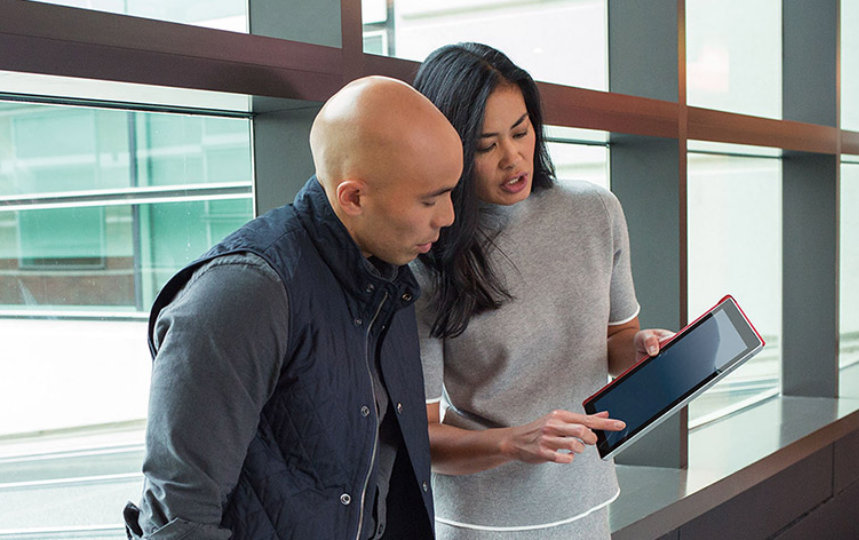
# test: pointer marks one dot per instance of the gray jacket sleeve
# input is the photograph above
(220, 344)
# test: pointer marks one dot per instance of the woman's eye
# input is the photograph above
(520, 134)
(484, 149)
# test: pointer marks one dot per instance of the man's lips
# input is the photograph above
(425, 247)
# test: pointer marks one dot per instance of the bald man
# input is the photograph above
(287, 397)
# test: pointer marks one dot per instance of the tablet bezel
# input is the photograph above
(750, 337)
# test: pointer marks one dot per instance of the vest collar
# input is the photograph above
(361, 279)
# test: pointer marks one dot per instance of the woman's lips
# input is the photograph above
(516, 183)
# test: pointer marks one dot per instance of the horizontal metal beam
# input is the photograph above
(57, 40)
(591, 109)
(127, 196)
(398, 68)
(720, 126)
(849, 142)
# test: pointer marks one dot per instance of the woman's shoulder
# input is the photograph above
(576, 194)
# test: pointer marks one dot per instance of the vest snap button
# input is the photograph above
(345, 499)
(425, 486)
(365, 410)
(406, 297)
(399, 407)
(359, 322)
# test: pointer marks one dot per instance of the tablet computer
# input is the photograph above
(691, 361)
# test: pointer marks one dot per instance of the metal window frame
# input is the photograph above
(288, 79)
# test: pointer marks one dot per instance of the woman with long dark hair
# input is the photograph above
(529, 304)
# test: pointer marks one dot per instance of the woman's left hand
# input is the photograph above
(648, 342)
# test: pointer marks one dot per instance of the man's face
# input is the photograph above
(403, 217)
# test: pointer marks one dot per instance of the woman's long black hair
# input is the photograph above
(458, 79)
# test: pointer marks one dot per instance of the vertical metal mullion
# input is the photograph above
(134, 181)
(810, 203)
(351, 27)
(649, 173)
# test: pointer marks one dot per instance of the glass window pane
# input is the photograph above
(91, 258)
(222, 14)
(733, 56)
(579, 154)
(417, 28)
(179, 232)
(850, 65)
(98, 208)
(55, 149)
(47, 241)
(849, 281)
(108, 361)
(181, 149)
(734, 247)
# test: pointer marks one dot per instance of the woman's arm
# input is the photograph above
(555, 437)
(627, 343)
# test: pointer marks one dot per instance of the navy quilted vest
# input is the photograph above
(308, 471)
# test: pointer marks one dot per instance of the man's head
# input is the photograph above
(388, 160)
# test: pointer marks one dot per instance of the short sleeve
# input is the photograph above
(624, 305)
(432, 349)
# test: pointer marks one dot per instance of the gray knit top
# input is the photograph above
(563, 253)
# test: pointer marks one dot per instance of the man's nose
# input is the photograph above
(445, 216)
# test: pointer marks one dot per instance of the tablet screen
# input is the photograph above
(713, 344)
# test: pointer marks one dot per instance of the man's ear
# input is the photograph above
(350, 196)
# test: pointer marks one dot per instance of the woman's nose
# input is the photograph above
(509, 154)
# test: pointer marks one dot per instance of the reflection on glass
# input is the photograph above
(733, 56)
(222, 14)
(93, 258)
(734, 247)
(849, 284)
(55, 149)
(850, 65)
(535, 35)
(99, 207)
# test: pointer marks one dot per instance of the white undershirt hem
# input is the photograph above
(453, 523)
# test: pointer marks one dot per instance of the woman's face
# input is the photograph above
(504, 157)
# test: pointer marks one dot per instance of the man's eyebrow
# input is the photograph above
(437, 192)
(515, 124)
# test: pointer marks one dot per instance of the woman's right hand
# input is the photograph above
(556, 437)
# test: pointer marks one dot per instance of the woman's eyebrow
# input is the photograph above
(516, 123)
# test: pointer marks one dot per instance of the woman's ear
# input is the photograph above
(350, 196)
